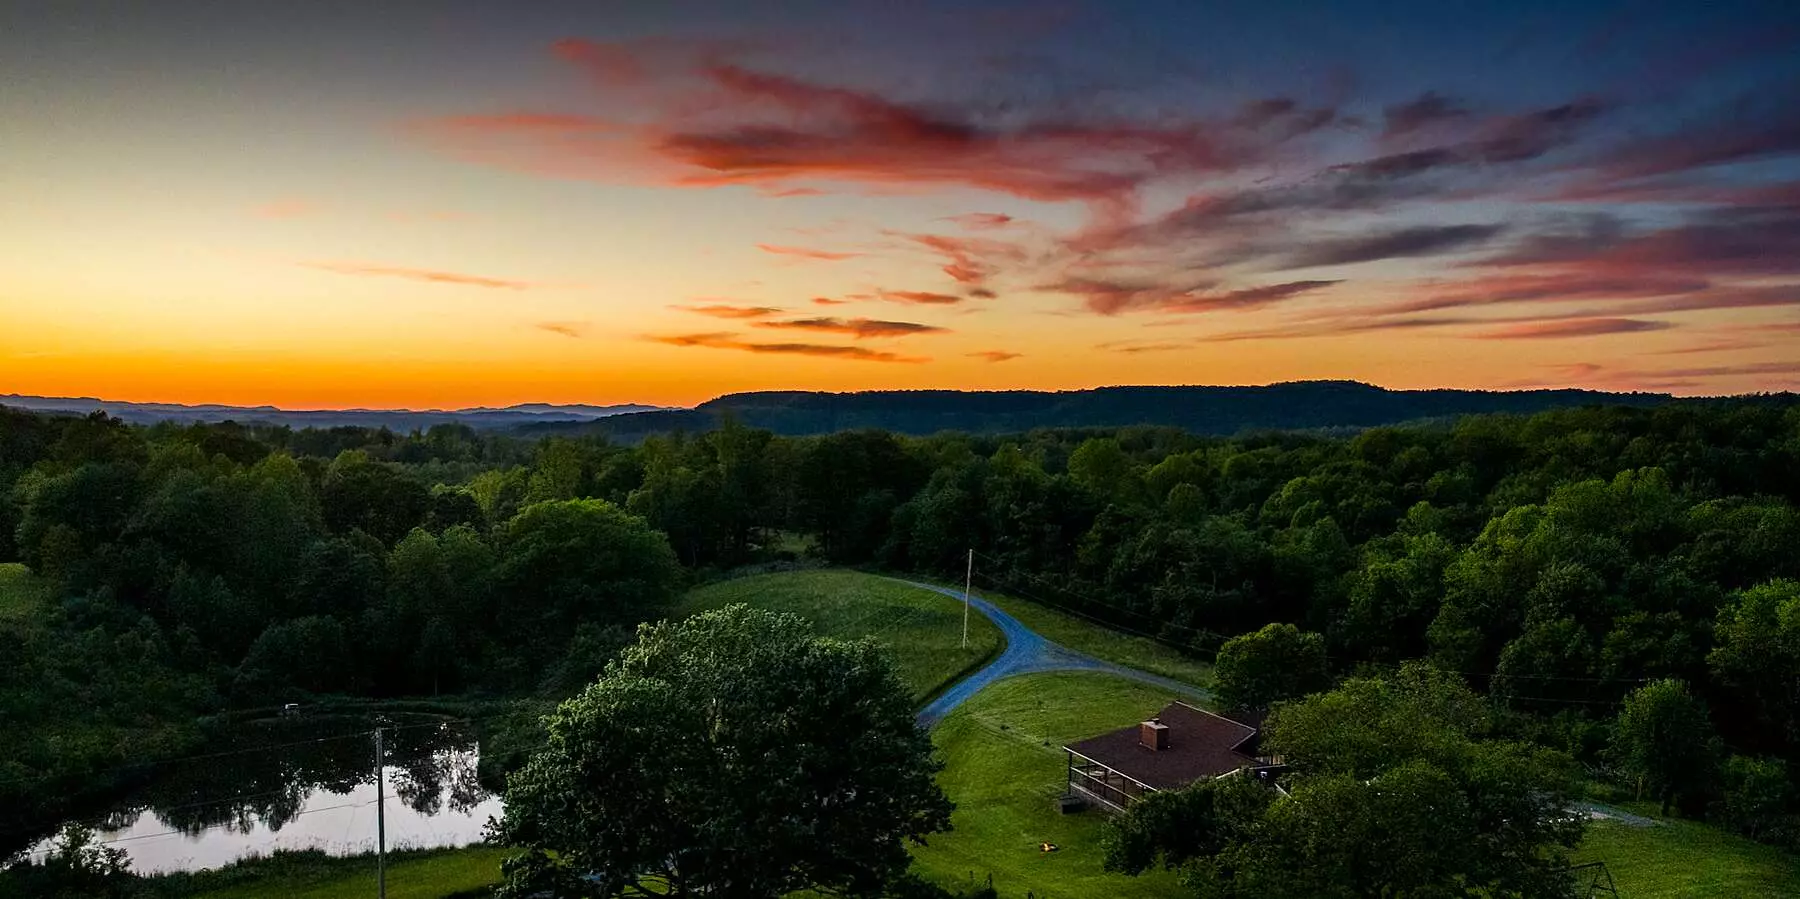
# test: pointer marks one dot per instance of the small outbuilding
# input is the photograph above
(1180, 745)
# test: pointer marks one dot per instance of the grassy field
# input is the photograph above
(1689, 860)
(922, 629)
(1003, 767)
(20, 592)
(422, 875)
(1098, 641)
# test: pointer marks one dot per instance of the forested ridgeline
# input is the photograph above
(1558, 561)
(1201, 409)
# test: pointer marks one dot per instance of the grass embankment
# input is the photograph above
(922, 629)
(1690, 860)
(21, 593)
(424, 874)
(1004, 766)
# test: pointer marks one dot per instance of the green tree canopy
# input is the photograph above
(1664, 738)
(1275, 663)
(1757, 655)
(563, 560)
(1394, 789)
(732, 754)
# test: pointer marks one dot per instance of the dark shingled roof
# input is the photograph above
(1201, 745)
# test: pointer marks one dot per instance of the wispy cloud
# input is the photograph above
(712, 117)
(1113, 296)
(1582, 327)
(720, 310)
(996, 355)
(982, 221)
(970, 260)
(856, 327)
(1243, 298)
(1425, 240)
(728, 341)
(1428, 110)
(919, 297)
(433, 276)
(566, 329)
(806, 252)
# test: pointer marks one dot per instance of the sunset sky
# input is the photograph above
(443, 204)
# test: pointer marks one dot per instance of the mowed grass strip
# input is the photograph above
(21, 593)
(922, 629)
(1690, 860)
(424, 875)
(1004, 767)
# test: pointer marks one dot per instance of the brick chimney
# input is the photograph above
(1154, 735)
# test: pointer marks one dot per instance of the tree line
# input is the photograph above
(1557, 562)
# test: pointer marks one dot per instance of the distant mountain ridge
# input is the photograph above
(1296, 405)
(394, 419)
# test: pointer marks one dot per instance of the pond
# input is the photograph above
(305, 782)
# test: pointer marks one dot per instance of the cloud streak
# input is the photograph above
(1583, 327)
(856, 327)
(732, 312)
(369, 269)
(919, 297)
(806, 252)
(726, 341)
(1425, 240)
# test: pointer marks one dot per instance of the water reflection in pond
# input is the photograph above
(306, 784)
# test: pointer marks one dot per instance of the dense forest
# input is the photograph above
(1560, 563)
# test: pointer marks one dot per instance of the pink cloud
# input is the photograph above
(703, 118)
(806, 252)
(982, 221)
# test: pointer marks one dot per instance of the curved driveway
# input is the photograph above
(1028, 653)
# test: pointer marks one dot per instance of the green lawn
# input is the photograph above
(1689, 860)
(425, 875)
(1004, 765)
(20, 592)
(1101, 642)
(922, 629)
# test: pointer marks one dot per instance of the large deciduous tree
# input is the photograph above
(563, 561)
(1664, 738)
(730, 754)
(1275, 663)
(1757, 655)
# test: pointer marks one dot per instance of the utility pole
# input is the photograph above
(380, 823)
(968, 578)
